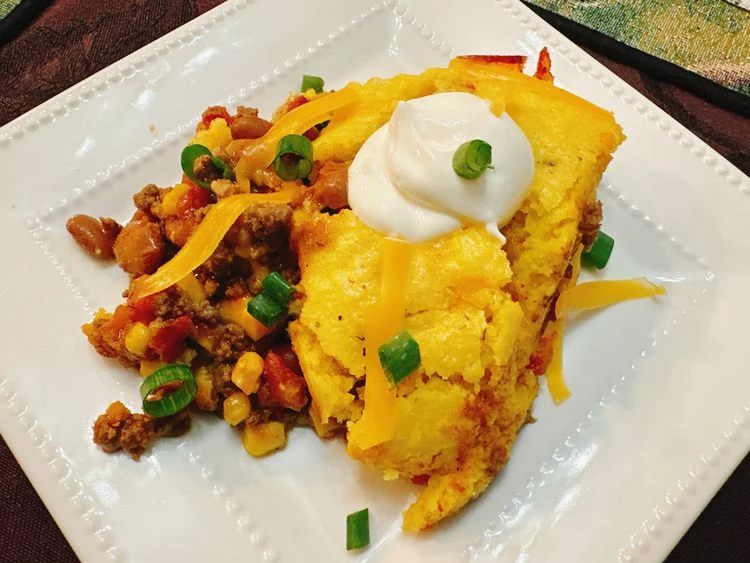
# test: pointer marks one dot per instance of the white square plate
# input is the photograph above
(659, 412)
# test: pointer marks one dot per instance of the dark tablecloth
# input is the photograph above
(72, 39)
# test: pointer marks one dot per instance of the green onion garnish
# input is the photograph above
(174, 401)
(471, 159)
(270, 305)
(358, 529)
(265, 309)
(399, 356)
(293, 157)
(277, 288)
(312, 82)
(598, 254)
(191, 153)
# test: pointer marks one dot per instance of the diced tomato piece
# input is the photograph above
(290, 358)
(542, 356)
(420, 480)
(188, 181)
(169, 339)
(281, 387)
(143, 310)
(312, 133)
(296, 102)
(544, 66)
(215, 112)
(537, 364)
(193, 199)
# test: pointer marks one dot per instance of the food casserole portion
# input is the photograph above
(478, 310)
(479, 304)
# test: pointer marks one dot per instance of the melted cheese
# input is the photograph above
(555, 380)
(587, 297)
(383, 320)
(603, 293)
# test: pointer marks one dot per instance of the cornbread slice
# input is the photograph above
(477, 309)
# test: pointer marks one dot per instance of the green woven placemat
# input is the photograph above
(710, 38)
(16, 14)
(6, 7)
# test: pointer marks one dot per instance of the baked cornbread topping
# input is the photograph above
(263, 289)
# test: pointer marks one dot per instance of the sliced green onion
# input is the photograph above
(294, 157)
(265, 309)
(277, 288)
(191, 153)
(312, 82)
(175, 401)
(598, 255)
(399, 356)
(472, 158)
(358, 529)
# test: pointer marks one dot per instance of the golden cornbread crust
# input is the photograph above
(477, 309)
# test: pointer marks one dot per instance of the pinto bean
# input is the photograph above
(95, 236)
(249, 126)
(330, 188)
(140, 247)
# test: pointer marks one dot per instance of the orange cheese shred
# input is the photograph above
(555, 380)
(384, 319)
(586, 297)
(204, 240)
(603, 293)
(558, 390)
(259, 153)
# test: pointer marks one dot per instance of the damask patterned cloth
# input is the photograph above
(710, 38)
(15, 14)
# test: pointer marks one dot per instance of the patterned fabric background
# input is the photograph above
(707, 37)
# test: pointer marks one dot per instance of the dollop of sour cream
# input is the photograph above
(402, 182)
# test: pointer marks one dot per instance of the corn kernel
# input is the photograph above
(235, 311)
(137, 338)
(205, 342)
(169, 203)
(262, 439)
(236, 408)
(148, 367)
(192, 288)
(205, 394)
(246, 372)
(187, 356)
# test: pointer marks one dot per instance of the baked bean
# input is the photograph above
(330, 188)
(249, 126)
(140, 247)
(95, 236)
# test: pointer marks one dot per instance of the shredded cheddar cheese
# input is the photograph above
(555, 380)
(383, 320)
(603, 293)
(586, 297)
(204, 240)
